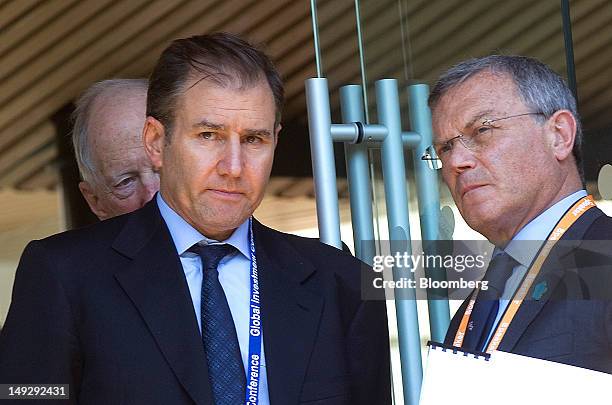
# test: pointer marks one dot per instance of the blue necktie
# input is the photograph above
(225, 368)
(487, 303)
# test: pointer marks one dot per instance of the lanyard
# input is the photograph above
(254, 359)
(571, 216)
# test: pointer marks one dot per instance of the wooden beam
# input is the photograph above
(29, 166)
(15, 154)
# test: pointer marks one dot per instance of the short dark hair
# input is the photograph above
(223, 58)
(538, 85)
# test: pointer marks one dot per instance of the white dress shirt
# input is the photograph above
(234, 276)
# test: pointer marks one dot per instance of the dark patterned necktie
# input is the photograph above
(225, 368)
(487, 303)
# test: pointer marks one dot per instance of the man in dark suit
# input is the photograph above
(508, 138)
(189, 299)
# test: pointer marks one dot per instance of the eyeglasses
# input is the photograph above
(475, 140)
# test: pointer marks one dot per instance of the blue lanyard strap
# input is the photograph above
(254, 359)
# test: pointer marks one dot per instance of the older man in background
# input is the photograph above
(117, 176)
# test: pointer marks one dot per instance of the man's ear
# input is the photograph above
(154, 138)
(563, 129)
(276, 133)
(89, 193)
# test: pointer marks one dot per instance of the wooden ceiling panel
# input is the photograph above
(58, 60)
(38, 16)
(56, 31)
(49, 90)
(184, 22)
(589, 11)
(66, 64)
(45, 178)
(53, 49)
(279, 28)
(15, 10)
(248, 22)
(20, 152)
(138, 56)
(37, 161)
(336, 19)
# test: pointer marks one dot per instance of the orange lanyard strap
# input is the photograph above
(571, 216)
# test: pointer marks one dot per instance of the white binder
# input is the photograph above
(453, 376)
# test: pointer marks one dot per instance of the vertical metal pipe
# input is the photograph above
(315, 38)
(429, 205)
(323, 162)
(569, 47)
(358, 177)
(364, 81)
(396, 193)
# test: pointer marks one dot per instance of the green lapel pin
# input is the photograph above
(539, 290)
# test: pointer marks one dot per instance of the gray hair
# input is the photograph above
(82, 115)
(540, 88)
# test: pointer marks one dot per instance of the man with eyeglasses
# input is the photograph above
(507, 140)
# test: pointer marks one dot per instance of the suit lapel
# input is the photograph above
(291, 313)
(555, 269)
(549, 276)
(156, 284)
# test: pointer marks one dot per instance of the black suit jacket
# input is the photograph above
(107, 310)
(571, 322)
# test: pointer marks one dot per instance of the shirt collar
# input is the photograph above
(527, 242)
(185, 236)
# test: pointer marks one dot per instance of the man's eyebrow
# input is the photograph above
(249, 132)
(257, 132)
(478, 117)
(208, 124)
